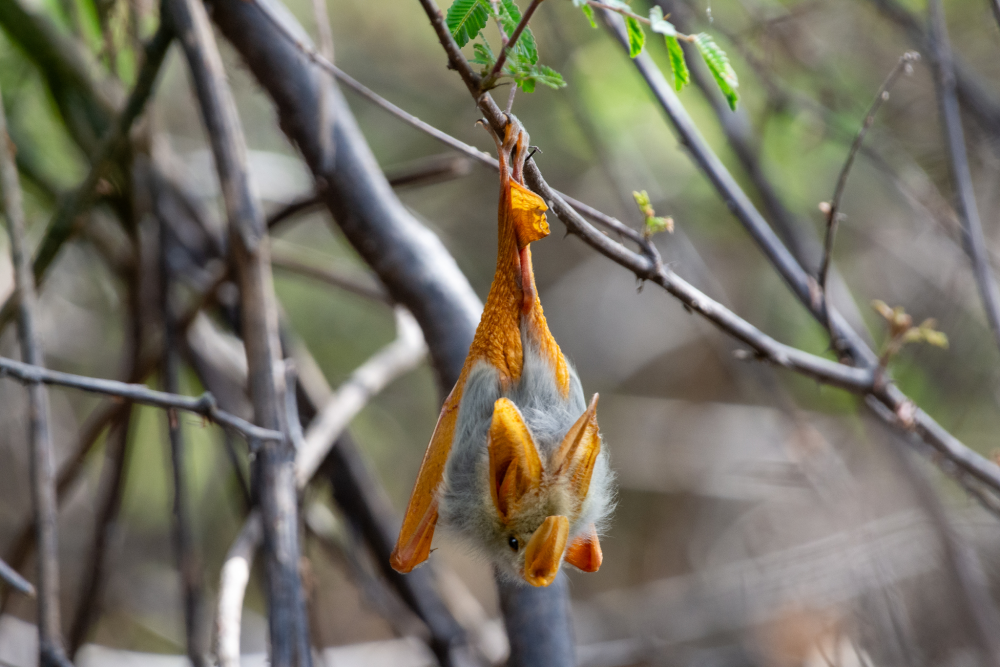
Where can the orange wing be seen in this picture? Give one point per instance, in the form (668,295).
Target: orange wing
(414,543)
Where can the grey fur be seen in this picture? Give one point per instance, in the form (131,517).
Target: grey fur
(465,504)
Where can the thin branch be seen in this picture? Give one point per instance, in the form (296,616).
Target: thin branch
(184,552)
(289,630)
(965,205)
(351,281)
(511,43)
(232,588)
(43,486)
(203,405)
(832,209)
(62,224)
(369,379)
(10,576)
(411,120)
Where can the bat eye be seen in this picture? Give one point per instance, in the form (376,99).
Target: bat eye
(512,543)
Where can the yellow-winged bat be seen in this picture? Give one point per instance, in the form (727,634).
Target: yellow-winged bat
(515,464)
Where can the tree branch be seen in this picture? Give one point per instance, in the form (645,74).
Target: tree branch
(15,580)
(905,64)
(277,494)
(61,226)
(203,405)
(43,487)
(511,42)
(965,205)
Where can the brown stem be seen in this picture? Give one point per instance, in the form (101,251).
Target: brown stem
(511,43)
(43,485)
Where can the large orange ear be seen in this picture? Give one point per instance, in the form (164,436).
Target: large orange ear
(414,543)
(574,461)
(515,467)
(585,551)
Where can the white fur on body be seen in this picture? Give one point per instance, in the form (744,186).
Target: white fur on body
(465,503)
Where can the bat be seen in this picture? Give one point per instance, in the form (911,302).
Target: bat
(516,464)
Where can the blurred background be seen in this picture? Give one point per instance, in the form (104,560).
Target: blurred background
(762,519)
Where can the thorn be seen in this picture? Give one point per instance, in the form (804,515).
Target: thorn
(534,149)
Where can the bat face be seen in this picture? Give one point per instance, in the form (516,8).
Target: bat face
(516,463)
(528,483)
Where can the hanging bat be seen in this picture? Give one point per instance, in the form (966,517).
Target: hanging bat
(515,464)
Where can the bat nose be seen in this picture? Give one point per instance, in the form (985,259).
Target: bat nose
(545,551)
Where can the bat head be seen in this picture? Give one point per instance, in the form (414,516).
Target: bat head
(538,501)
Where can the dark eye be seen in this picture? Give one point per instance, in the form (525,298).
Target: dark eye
(512,543)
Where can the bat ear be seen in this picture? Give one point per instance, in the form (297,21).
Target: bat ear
(527,211)
(574,460)
(585,551)
(515,467)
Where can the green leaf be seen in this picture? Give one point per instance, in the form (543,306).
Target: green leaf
(483,55)
(588,11)
(466,18)
(636,36)
(659,24)
(718,63)
(510,16)
(678,66)
(526,76)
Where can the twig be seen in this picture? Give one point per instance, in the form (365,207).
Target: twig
(43,486)
(408,118)
(288,624)
(15,580)
(832,209)
(187,566)
(995,6)
(203,405)
(95,571)
(510,44)
(965,204)
(369,379)
(351,281)
(61,226)
(232,588)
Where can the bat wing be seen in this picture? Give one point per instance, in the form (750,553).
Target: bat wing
(414,543)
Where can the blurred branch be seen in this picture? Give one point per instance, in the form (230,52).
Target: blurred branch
(844,339)
(203,405)
(351,281)
(332,419)
(62,226)
(369,379)
(968,212)
(187,562)
(972,90)
(43,486)
(289,632)
(232,588)
(833,206)
(15,580)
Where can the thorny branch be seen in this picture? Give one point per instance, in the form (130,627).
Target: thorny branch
(51,650)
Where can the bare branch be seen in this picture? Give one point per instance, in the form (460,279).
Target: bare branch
(203,405)
(232,587)
(832,209)
(289,631)
(43,485)
(62,224)
(369,379)
(965,205)
(351,281)
(15,580)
